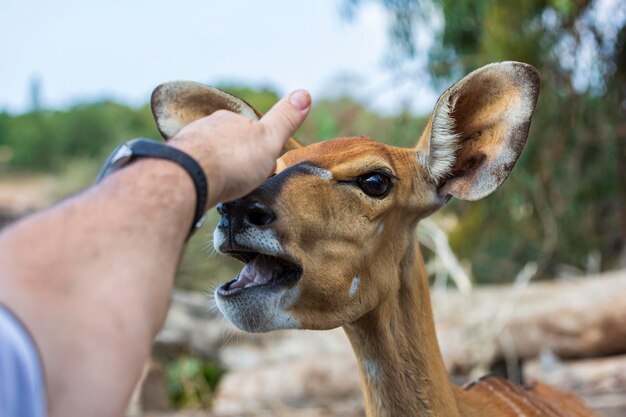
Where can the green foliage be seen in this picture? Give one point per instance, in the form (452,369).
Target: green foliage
(46,140)
(191,383)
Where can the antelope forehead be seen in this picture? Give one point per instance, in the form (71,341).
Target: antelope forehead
(303,168)
(274,185)
(317,171)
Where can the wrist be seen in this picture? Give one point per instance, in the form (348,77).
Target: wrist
(140,148)
(209,161)
(173,182)
(156,188)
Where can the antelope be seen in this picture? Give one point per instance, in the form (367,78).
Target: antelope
(329,240)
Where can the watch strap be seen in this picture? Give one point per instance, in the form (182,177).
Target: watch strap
(148,148)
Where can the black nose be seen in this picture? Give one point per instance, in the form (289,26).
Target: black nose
(259,214)
(244,212)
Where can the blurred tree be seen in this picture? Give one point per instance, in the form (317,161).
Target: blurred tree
(44,140)
(35,93)
(566,202)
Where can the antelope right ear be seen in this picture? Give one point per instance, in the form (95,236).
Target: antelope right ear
(176,104)
(478,129)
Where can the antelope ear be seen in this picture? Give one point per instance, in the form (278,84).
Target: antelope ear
(176,104)
(479,128)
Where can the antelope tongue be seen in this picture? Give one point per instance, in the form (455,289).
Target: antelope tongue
(258,271)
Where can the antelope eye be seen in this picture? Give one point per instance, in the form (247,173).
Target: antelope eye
(374,184)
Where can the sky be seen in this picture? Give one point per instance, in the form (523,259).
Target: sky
(87,50)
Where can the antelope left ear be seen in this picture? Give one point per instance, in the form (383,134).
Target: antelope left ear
(176,104)
(479,128)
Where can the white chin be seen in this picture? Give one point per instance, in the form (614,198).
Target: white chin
(258,309)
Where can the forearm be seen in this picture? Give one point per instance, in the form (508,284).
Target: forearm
(110,293)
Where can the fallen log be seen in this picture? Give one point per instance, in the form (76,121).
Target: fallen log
(600,382)
(579,318)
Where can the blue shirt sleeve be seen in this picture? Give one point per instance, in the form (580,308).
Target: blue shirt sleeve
(21,377)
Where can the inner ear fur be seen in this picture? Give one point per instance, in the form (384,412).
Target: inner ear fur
(176,104)
(479,128)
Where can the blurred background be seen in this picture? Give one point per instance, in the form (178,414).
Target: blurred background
(545,255)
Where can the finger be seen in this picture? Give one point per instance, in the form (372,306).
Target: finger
(286,117)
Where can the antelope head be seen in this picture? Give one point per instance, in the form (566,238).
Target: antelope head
(324,240)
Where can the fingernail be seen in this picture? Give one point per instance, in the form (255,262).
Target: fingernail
(300,99)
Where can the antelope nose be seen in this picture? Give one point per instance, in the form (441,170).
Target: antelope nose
(258,214)
(241,213)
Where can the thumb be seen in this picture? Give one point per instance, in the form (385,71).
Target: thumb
(286,117)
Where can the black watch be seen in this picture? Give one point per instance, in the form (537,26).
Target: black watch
(147,148)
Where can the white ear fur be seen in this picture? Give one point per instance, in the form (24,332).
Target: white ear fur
(479,128)
(444,141)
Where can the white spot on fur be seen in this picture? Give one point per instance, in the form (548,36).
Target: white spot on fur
(318,172)
(444,141)
(381,228)
(372,370)
(354,287)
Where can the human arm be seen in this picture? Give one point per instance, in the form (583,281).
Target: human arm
(91,277)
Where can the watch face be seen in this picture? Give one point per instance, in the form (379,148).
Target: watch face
(120,157)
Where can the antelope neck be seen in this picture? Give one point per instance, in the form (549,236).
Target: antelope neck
(402,371)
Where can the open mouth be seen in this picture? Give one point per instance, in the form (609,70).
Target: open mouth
(260,271)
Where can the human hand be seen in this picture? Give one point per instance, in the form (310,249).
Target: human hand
(238,154)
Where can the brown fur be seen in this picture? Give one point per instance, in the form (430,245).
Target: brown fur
(336,233)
